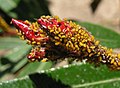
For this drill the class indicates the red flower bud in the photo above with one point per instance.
(28, 33)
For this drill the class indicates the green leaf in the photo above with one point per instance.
(18, 53)
(106, 36)
(8, 5)
(71, 76)
(32, 8)
(17, 83)
(14, 58)
(9, 43)
(34, 67)
(19, 65)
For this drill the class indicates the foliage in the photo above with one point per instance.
(69, 76)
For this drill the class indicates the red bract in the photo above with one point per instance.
(26, 30)
(52, 22)
(28, 33)
(24, 27)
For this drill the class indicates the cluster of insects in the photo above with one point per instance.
(53, 38)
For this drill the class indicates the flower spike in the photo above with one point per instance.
(53, 38)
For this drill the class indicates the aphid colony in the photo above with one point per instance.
(54, 39)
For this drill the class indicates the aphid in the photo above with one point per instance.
(53, 38)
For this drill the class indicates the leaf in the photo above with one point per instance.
(9, 43)
(8, 5)
(14, 58)
(32, 9)
(17, 83)
(19, 65)
(17, 49)
(106, 36)
(71, 76)
(34, 67)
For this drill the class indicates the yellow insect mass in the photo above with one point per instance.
(53, 38)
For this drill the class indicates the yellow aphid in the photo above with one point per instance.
(56, 17)
(17, 30)
(57, 43)
(119, 56)
(109, 54)
(92, 47)
(60, 39)
(22, 37)
(43, 16)
(56, 37)
(76, 46)
(90, 54)
(65, 19)
(33, 42)
(98, 53)
(88, 50)
(71, 44)
(44, 60)
(41, 31)
(81, 37)
(47, 17)
(71, 23)
(51, 30)
(92, 38)
(63, 36)
(28, 42)
(73, 38)
(115, 64)
(42, 35)
(73, 30)
(38, 43)
(26, 21)
(56, 32)
(81, 44)
(111, 50)
(67, 44)
(118, 63)
(97, 42)
(19, 33)
(84, 45)
(59, 29)
(112, 61)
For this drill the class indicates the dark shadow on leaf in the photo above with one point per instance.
(44, 81)
(5, 61)
(30, 9)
